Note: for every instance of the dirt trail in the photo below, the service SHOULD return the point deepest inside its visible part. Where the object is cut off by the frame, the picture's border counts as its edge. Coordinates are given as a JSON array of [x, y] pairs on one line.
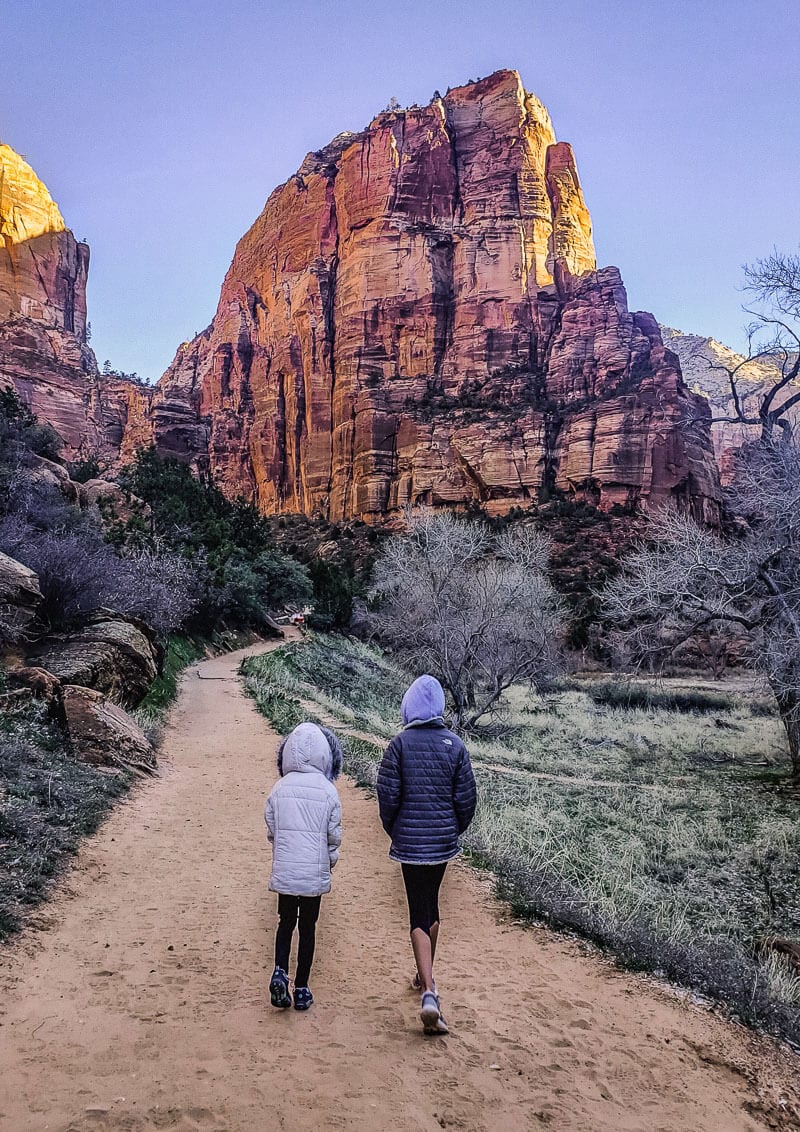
[[143, 1005]]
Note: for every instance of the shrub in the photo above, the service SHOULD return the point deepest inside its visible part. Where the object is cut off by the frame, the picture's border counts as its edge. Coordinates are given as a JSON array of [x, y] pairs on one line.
[[79, 574], [81, 471], [19, 427], [239, 574], [621, 694], [333, 596]]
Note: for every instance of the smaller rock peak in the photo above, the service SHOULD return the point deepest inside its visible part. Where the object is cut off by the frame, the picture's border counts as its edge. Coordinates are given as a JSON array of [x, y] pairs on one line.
[[499, 83]]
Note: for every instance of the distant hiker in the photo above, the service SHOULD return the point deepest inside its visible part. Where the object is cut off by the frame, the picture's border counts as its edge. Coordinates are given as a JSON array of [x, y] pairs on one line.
[[304, 824], [426, 795]]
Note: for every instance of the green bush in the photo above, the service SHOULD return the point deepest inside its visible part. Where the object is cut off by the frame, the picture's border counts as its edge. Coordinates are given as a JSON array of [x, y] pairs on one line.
[[19, 425], [240, 574], [81, 471], [333, 596]]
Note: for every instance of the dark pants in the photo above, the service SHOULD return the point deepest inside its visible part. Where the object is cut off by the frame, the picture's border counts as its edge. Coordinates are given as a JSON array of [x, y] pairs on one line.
[[290, 909], [422, 891]]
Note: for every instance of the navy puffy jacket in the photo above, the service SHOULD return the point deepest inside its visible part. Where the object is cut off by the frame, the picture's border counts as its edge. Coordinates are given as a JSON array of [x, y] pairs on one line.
[[426, 794]]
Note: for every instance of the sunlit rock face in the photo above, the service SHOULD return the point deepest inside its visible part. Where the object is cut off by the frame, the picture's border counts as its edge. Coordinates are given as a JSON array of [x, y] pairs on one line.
[[415, 316], [44, 350]]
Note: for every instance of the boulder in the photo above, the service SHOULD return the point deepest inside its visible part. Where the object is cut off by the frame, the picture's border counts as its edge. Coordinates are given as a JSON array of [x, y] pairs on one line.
[[102, 733], [37, 682], [110, 500], [20, 596], [113, 654]]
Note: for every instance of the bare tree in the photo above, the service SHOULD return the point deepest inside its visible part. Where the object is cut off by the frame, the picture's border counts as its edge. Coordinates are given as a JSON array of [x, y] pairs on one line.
[[773, 337], [473, 609], [688, 580]]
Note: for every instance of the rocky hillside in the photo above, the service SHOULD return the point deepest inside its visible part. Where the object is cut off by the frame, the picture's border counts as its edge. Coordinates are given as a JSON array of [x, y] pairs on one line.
[[44, 348], [416, 315], [706, 364]]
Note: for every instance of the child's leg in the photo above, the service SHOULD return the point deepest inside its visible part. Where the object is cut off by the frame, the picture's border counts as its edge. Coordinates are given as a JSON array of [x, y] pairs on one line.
[[309, 913], [287, 919], [422, 890]]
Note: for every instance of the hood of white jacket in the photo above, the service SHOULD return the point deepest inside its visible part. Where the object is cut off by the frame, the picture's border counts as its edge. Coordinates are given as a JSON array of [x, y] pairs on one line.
[[306, 749]]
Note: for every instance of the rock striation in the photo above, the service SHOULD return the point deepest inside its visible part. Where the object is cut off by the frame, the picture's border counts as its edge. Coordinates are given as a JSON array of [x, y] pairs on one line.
[[44, 348], [417, 316]]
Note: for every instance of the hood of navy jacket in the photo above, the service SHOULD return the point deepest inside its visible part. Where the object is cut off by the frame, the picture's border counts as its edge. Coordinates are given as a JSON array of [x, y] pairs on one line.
[[310, 748], [423, 702]]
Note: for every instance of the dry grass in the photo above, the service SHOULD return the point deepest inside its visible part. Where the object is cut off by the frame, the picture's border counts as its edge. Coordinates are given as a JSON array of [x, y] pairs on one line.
[[661, 833]]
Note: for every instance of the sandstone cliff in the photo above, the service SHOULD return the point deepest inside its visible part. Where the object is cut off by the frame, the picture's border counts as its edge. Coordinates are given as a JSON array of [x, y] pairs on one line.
[[416, 315], [44, 350], [706, 364]]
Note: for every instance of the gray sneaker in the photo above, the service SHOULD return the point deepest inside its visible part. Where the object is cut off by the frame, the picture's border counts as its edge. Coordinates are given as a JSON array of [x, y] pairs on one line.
[[431, 1015]]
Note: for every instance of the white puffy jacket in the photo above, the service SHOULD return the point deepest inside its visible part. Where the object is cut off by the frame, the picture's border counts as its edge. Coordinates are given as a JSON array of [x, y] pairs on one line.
[[304, 815]]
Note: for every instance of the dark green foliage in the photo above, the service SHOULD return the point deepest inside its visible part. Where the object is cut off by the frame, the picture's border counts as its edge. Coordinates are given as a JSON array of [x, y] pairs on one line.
[[240, 574], [81, 471], [19, 427], [50, 800], [333, 596]]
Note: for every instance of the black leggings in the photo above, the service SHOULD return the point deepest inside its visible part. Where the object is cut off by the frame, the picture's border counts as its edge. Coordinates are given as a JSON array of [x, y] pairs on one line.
[[422, 891], [289, 909]]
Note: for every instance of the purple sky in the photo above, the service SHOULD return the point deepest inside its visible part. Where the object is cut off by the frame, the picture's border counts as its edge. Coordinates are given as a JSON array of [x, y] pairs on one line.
[[161, 127]]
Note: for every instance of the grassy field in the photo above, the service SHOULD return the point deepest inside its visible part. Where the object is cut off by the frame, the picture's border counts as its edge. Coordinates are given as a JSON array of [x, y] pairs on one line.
[[649, 819]]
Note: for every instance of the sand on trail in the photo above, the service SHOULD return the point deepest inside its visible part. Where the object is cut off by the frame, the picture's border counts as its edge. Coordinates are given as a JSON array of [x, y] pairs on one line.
[[141, 1002]]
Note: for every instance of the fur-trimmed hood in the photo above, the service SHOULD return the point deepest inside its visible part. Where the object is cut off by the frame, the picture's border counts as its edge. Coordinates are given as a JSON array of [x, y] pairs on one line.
[[311, 747]]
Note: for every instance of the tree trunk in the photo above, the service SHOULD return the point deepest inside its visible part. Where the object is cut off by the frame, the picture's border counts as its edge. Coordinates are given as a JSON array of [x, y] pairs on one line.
[[788, 700]]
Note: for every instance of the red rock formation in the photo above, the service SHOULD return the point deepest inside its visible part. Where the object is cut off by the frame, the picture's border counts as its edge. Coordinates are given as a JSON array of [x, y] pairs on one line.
[[417, 316], [44, 350]]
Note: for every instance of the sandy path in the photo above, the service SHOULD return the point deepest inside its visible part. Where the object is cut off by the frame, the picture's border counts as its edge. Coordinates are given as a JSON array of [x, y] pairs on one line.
[[143, 1004]]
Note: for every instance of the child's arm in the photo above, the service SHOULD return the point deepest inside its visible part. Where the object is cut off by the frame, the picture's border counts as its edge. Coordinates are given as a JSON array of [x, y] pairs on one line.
[[269, 818], [389, 785], [465, 794], [335, 831]]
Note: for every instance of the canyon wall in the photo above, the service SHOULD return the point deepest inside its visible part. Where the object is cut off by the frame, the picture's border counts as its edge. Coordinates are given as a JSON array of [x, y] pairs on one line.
[[417, 316], [44, 349]]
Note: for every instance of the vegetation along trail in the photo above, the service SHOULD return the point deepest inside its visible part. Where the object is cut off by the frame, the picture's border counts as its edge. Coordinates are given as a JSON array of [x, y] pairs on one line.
[[141, 1003]]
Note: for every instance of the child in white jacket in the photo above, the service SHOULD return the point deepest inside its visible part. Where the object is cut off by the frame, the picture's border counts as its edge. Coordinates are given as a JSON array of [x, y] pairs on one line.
[[304, 824]]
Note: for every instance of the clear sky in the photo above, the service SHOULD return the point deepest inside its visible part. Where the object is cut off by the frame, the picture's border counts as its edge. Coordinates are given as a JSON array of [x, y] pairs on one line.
[[161, 127]]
